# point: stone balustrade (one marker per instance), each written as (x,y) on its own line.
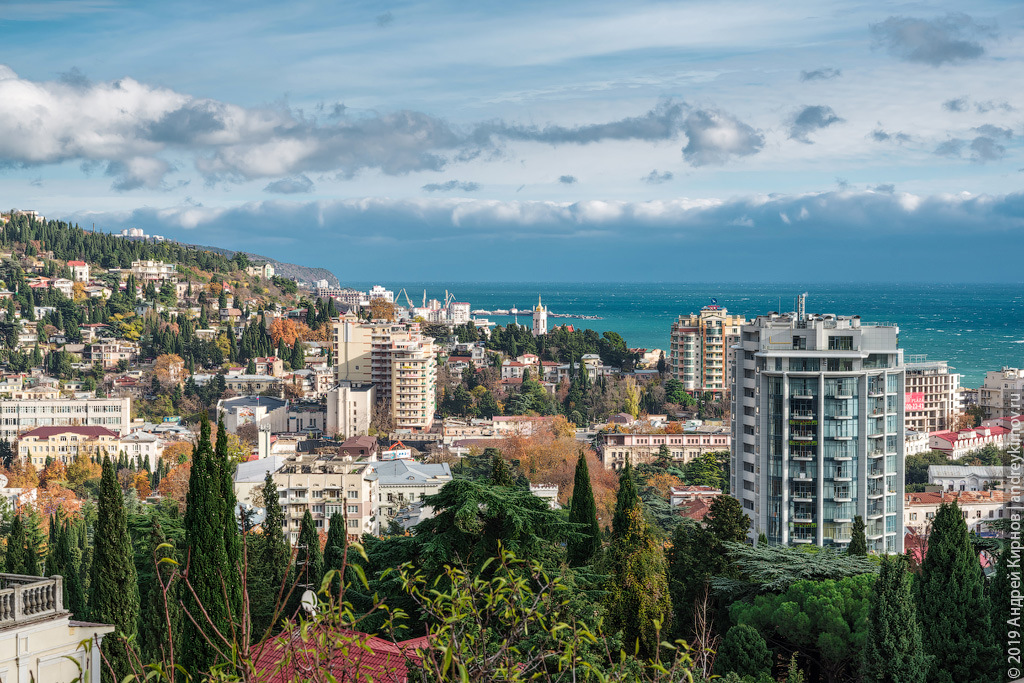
(23,598)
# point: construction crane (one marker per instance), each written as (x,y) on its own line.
(448,297)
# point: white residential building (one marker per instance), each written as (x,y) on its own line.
(967,477)
(403,482)
(979,508)
(79,271)
(701,349)
(327,487)
(350,408)
(19,415)
(155,271)
(817,405)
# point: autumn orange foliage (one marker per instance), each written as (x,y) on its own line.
(291,331)
(142,485)
(174,485)
(175,451)
(548,456)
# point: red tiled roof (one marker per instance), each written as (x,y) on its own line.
(459,359)
(76,263)
(355,657)
(47,432)
(695,509)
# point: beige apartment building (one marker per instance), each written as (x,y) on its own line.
(700,349)
(1002,395)
(397,359)
(933,395)
(325,487)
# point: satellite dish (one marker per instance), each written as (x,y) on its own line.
(3,481)
(309,601)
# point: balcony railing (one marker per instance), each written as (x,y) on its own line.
(24,598)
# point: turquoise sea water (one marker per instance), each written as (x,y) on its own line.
(975,327)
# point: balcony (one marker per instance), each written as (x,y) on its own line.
(803,517)
(26,598)
(802,416)
(877,453)
(802,437)
(802,458)
(803,497)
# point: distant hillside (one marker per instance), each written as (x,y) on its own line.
(289,270)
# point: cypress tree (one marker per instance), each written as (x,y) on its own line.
(69,560)
(114,588)
(501,474)
(206,561)
(35,551)
(229,523)
(638,584)
(583,511)
(894,653)
(952,604)
(154,635)
(309,561)
(334,551)
(268,567)
(1002,597)
(624,500)
(858,541)
(15,561)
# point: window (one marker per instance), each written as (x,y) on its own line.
(353,524)
(799,342)
(352,494)
(913,516)
(353,509)
(840,343)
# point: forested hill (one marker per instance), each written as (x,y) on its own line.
(70,242)
(292,271)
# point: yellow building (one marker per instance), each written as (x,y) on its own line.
(64,443)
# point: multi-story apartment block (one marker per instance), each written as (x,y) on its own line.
(327,487)
(17,416)
(1002,394)
(65,443)
(155,271)
(397,359)
(403,482)
(818,422)
(701,348)
(933,399)
(349,408)
(617,449)
(110,352)
(979,508)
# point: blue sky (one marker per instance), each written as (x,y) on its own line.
(537,141)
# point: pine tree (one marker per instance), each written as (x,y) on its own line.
(206,560)
(1002,596)
(583,511)
(858,542)
(114,588)
(268,562)
(894,653)
(638,584)
(155,637)
(952,604)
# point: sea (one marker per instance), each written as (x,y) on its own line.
(974,327)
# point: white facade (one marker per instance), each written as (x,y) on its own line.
(326,487)
(350,408)
(141,445)
(817,404)
(700,349)
(20,415)
(39,641)
(154,270)
(933,395)
(403,482)
(967,477)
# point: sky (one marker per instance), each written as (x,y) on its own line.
(572,141)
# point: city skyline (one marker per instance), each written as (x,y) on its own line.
(429,133)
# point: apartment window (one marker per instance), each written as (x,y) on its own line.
(352,494)
(913,516)
(318,494)
(353,524)
(799,342)
(353,509)
(840,343)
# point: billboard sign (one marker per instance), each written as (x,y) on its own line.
(914,401)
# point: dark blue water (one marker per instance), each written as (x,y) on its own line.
(975,327)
